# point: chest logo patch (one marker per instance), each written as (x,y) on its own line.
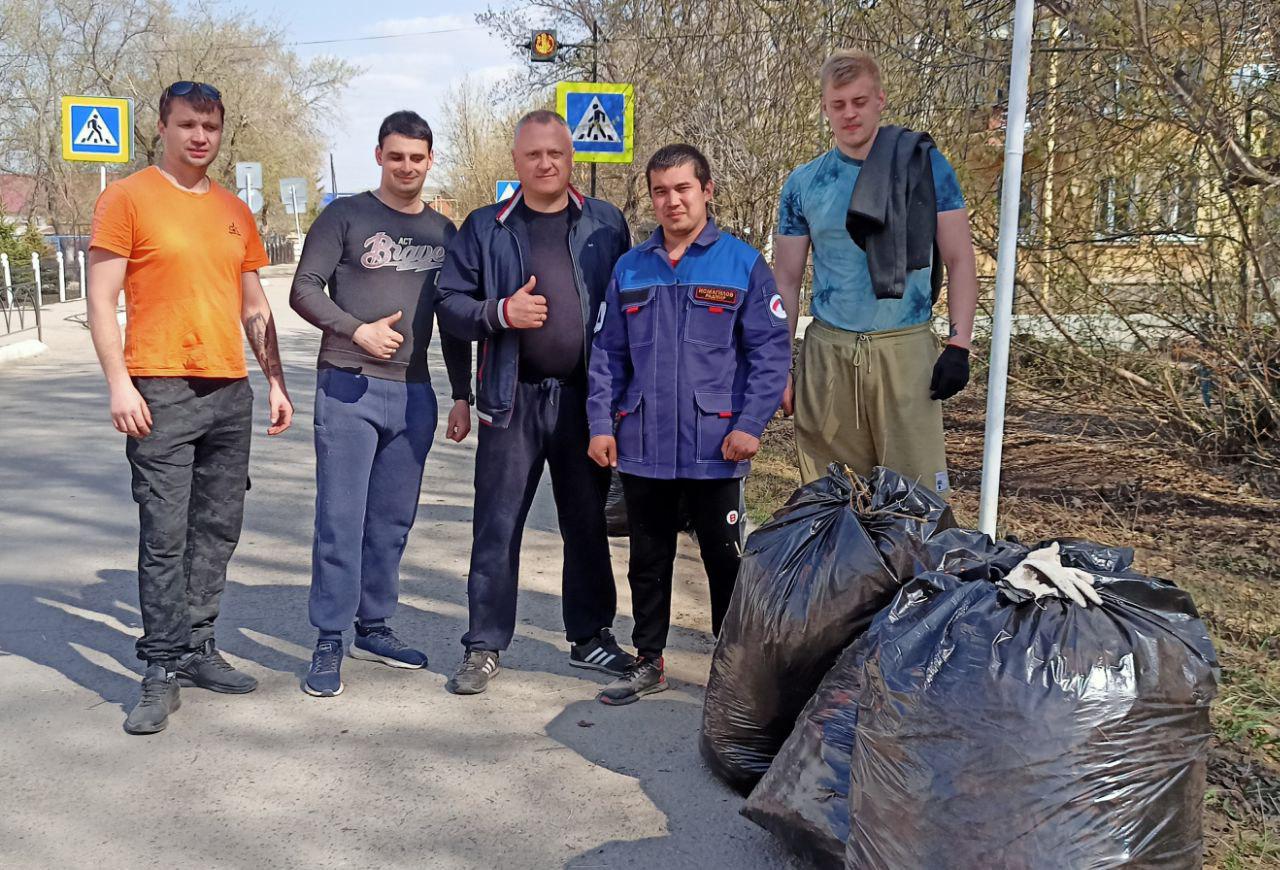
(716,295)
(232,229)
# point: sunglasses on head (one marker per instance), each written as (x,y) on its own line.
(182,89)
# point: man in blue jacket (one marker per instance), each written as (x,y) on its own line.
(691,358)
(525,278)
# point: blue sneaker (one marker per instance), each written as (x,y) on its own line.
(324,680)
(380,644)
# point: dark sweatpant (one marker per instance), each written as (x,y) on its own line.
(372,438)
(715,507)
(189,479)
(548,425)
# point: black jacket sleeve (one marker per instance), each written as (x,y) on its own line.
(462,309)
(456,351)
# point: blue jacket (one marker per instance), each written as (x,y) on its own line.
(685,355)
(486,262)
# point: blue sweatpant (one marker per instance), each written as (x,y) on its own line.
(372,439)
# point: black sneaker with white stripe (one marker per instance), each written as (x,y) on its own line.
(478,667)
(601,653)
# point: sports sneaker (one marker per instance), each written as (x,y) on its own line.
(205,668)
(324,680)
(380,644)
(601,653)
(159,698)
(644,677)
(478,667)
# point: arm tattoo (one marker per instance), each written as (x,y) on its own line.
(261,332)
(953,330)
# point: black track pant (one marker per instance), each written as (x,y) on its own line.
(654,517)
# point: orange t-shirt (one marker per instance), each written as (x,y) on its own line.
(182,285)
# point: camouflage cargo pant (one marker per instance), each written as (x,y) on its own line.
(189,479)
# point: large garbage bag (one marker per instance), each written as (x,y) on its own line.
(803,799)
(998,731)
(811,579)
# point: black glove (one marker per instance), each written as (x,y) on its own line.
(950,372)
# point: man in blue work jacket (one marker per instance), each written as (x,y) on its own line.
(690,360)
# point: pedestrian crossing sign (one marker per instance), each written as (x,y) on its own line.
(601,118)
(97,129)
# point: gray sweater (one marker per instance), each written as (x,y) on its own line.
(376,261)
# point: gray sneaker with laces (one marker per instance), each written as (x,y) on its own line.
(160,697)
(644,677)
(478,667)
(205,668)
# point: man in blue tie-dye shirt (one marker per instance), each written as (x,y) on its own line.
(869,382)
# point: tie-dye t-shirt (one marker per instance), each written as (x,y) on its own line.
(814,203)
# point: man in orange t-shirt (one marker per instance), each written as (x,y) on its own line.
(186,252)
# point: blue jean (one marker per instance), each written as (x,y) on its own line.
(372,438)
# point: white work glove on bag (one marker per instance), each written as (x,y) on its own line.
(1042,573)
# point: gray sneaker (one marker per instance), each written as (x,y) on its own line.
(205,668)
(478,667)
(644,677)
(159,698)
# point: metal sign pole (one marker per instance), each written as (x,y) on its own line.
(293,195)
(102,178)
(595,77)
(1006,262)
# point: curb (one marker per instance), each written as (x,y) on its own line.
(22,350)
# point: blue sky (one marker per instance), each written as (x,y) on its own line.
(410,72)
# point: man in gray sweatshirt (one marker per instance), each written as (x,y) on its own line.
(379,254)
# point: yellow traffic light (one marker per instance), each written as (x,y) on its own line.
(543,46)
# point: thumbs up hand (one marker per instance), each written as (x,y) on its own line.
(380,337)
(523,309)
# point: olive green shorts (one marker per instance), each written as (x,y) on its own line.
(862,399)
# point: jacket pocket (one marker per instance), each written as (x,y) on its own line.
(711,314)
(630,428)
(639,313)
(716,412)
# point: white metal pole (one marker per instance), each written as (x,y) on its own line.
(1006,263)
(62,279)
(39,297)
(8,281)
(102,177)
(297,222)
(84,288)
(35,267)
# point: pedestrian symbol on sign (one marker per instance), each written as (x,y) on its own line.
(94,131)
(595,125)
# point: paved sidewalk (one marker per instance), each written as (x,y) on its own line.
(396,772)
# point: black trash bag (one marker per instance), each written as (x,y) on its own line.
(803,799)
(615,509)
(811,580)
(995,730)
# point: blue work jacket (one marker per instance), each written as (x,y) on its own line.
(685,354)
